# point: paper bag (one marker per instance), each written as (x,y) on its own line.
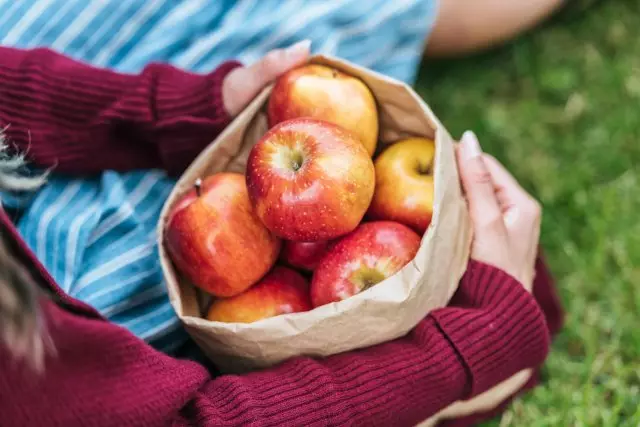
(385,311)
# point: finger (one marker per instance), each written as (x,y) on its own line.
(501,176)
(517,200)
(478,186)
(278,61)
(244,84)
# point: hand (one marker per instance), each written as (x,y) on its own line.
(506,219)
(245,83)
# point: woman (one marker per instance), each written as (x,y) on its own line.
(62,363)
(95,232)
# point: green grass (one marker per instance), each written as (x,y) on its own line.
(561,108)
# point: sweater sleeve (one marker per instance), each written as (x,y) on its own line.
(82,119)
(455,353)
(101,375)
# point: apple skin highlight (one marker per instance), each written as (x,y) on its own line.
(216,240)
(324,93)
(310,180)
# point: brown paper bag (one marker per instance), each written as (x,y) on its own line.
(382,313)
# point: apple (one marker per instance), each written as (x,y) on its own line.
(371,253)
(325,93)
(281,291)
(215,238)
(404,184)
(310,180)
(304,255)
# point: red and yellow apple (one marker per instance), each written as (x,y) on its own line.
(304,255)
(310,180)
(281,291)
(365,257)
(325,93)
(215,238)
(404,184)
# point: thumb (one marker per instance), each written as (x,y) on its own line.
(244,84)
(278,61)
(478,187)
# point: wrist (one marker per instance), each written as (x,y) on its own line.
(495,325)
(189,113)
(183,94)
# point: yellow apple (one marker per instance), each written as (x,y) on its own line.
(404,184)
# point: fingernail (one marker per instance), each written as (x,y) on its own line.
(511,216)
(301,46)
(470,145)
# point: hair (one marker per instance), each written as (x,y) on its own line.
(13,170)
(22,326)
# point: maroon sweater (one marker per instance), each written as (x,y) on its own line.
(83,120)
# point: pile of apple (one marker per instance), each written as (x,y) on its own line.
(314,219)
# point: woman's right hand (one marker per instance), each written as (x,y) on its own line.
(505,218)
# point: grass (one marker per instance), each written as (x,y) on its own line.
(561,108)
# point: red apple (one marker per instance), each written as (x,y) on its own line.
(404,184)
(281,291)
(325,93)
(310,180)
(215,238)
(304,255)
(361,259)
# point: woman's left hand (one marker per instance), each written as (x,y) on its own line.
(244,83)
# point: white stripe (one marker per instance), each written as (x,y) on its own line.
(376,19)
(154,207)
(53,209)
(51,22)
(127,208)
(104,24)
(306,15)
(149,238)
(37,205)
(122,260)
(136,300)
(403,55)
(25,22)
(125,33)
(157,38)
(57,225)
(77,25)
(229,24)
(8,13)
(72,243)
(369,25)
(121,284)
(164,327)
(415,24)
(141,319)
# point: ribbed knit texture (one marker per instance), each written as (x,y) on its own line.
(478,335)
(159,118)
(102,375)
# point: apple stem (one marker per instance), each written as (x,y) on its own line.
(198,186)
(425,169)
